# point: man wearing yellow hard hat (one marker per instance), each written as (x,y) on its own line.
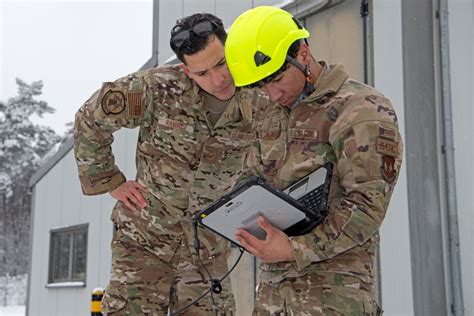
(324,117)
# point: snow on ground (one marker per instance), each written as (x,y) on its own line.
(13,290)
(14,310)
(13,294)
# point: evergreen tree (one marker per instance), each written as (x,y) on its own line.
(23,144)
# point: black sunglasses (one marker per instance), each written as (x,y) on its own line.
(201,29)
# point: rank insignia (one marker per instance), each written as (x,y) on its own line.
(113,102)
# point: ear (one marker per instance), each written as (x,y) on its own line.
(304,53)
(186,70)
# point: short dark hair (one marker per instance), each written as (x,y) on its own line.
(196,43)
(292,52)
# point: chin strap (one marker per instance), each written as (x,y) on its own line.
(308,86)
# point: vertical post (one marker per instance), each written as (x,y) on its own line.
(97,294)
(5,249)
(449,163)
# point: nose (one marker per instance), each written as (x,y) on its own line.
(273,92)
(217,78)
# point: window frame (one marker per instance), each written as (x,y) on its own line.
(70,281)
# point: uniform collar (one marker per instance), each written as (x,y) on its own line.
(330,80)
(239,107)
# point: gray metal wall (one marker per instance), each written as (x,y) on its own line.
(431,86)
(424,161)
(461,40)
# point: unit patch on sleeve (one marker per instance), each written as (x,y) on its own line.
(113,102)
(389,173)
(389,150)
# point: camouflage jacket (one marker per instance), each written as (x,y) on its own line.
(184,161)
(355,127)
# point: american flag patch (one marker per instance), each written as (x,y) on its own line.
(134,104)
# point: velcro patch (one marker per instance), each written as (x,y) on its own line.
(271,134)
(235,135)
(212,155)
(303,133)
(166,122)
(113,102)
(134,104)
(387,147)
(389,173)
(387,133)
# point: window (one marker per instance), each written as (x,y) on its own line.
(68,254)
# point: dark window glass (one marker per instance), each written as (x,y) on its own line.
(68,254)
(80,255)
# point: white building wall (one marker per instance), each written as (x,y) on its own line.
(461,37)
(397,292)
(59,202)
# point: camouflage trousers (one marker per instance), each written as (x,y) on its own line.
(143,284)
(316,293)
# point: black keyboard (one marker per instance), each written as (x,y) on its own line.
(311,201)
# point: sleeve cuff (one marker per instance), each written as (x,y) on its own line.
(305,253)
(104,185)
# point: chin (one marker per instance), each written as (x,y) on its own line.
(226,94)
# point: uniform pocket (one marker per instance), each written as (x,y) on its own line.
(347,301)
(212,246)
(273,150)
(360,227)
(114,299)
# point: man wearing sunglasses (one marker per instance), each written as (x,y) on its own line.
(196,130)
(324,117)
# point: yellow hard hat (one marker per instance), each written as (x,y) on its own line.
(258,41)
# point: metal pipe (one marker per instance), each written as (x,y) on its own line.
(449,163)
(30,249)
(156,32)
(154,60)
(364,13)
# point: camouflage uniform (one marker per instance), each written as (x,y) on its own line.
(186,164)
(355,127)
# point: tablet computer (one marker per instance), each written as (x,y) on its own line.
(296,210)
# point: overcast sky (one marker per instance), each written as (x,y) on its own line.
(72,46)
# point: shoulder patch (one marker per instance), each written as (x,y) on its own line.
(113,102)
(134,104)
(387,147)
(389,173)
